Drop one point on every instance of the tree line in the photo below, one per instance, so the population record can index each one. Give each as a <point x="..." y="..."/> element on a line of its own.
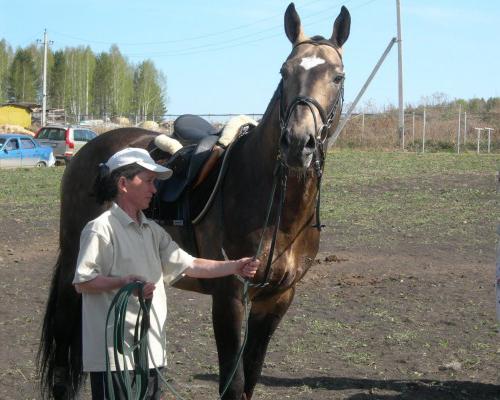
<point x="83" y="83"/>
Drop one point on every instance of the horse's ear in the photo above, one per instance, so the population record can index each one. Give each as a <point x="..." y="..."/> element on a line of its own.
<point x="341" y="28"/>
<point x="293" y="27"/>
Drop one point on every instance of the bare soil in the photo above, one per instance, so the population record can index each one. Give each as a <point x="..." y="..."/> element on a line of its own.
<point x="394" y="321"/>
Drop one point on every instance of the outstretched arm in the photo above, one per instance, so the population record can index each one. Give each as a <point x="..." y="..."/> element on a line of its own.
<point x="204" y="268"/>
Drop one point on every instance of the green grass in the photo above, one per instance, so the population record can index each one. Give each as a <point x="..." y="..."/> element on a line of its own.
<point x="30" y="193"/>
<point x="395" y="197"/>
<point x="378" y="197"/>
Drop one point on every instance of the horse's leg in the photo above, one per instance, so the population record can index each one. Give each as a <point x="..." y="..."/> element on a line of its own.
<point x="227" y="312"/>
<point x="264" y="318"/>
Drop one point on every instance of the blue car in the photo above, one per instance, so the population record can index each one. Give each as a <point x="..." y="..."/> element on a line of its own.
<point x="17" y="150"/>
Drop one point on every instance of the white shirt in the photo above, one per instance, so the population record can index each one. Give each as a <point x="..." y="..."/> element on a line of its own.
<point x="115" y="245"/>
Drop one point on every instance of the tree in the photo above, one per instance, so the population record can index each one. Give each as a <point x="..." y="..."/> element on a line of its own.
<point x="57" y="80"/>
<point x="23" y="82"/>
<point x="78" y="76"/>
<point x="150" y="91"/>
<point x="102" y="85"/>
<point x="122" y="83"/>
<point x="5" y="60"/>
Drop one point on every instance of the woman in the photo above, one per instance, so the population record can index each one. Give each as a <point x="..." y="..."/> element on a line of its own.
<point x="123" y="246"/>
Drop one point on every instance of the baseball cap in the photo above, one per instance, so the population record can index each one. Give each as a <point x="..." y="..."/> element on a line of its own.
<point x="139" y="156"/>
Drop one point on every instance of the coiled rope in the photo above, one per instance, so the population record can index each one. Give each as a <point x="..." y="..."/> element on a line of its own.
<point x="136" y="389"/>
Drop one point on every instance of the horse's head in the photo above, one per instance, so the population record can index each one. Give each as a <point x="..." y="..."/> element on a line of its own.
<point x="311" y="89"/>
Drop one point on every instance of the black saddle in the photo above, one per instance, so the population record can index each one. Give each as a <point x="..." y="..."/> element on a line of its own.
<point x="191" y="129"/>
<point x="186" y="163"/>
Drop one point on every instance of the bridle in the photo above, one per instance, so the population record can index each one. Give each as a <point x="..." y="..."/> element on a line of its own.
<point x="327" y="119"/>
<point x="281" y="170"/>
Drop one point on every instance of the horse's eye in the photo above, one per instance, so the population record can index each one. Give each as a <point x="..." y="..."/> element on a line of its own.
<point x="338" y="79"/>
<point x="284" y="72"/>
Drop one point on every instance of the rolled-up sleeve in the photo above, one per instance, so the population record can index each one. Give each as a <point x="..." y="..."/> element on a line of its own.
<point x="95" y="256"/>
<point x="174" y="260"/>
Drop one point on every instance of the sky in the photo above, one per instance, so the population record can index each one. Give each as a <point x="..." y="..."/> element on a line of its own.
<point x="224" y="57"/>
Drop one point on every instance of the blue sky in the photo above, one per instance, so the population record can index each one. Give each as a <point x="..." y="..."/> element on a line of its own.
<point x="224" y="56"/>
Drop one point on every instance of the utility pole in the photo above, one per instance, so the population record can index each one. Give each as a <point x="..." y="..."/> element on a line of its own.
<point x="401" y="124"/>
<point x="44" y="78"/>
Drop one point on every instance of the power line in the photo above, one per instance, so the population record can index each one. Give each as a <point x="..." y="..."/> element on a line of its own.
<point x="218" y="33"/>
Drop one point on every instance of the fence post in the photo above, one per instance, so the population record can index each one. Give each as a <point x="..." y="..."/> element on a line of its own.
<point x="478" y="137"/>
<point x="413" y="129"/>
<point x="497" y="275"/>
<point x="489" y="137"/>
<point x="362" y="127"/>
<point x="458" y="131"/>
<point x="465" y="129"/>
<point x="423" y="134"/>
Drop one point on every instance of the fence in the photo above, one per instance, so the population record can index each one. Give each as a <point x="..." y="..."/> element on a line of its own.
<point x="433" y="129"/>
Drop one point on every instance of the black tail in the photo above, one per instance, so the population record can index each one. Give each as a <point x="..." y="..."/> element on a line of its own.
<point x="59" y="358"/>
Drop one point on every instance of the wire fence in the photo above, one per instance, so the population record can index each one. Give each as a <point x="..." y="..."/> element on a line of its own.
<point x="445" y="128"/>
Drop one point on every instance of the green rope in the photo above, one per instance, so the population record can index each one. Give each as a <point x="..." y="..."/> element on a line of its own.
<point x="139" y="349"/>
<point x="137" y="390"/>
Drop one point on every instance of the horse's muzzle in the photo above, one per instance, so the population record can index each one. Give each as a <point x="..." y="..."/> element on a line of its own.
<point x="297" y="149"/>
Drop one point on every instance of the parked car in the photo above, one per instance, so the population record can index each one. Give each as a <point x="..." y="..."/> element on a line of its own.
<point x="18" y="150"/>
<point x="65" y="140"/>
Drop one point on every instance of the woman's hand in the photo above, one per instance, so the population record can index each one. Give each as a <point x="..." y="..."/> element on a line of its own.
<point x="148" y="288"/>
<point x="247" y="267"/>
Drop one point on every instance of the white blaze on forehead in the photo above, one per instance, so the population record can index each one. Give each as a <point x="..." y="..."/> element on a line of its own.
<point x="311" y="62"/>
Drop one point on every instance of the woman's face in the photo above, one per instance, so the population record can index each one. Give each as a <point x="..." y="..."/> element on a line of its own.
<point x="139" y="190"/>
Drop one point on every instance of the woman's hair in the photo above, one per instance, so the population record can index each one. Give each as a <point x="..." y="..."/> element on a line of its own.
<point x="106" y="183"/>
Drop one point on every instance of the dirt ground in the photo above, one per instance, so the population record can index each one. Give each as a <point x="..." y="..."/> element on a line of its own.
<point x="390" y="322"/>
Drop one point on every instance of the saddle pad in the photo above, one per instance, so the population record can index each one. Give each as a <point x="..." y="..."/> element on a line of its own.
<point x="189" y="128"/>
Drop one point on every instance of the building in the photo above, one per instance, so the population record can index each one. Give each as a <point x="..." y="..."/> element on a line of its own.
<point x="18" y="113"/>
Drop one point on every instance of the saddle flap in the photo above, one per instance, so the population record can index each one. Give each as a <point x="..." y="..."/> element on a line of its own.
<point x="186" y="164"/>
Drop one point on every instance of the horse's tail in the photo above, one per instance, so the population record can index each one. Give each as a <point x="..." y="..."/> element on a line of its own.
<point x="59" y="354"/>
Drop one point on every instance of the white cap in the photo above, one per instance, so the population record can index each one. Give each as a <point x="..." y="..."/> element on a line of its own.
<point x="139" y="156"/>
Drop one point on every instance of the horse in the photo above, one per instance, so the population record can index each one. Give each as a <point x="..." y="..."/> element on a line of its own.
<point x="279" y="163"/>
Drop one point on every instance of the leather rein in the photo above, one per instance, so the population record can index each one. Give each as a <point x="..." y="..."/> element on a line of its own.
<point x="281" y="170"/>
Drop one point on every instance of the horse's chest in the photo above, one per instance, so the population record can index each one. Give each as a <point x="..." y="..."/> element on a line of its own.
<point x="292" y="262"/>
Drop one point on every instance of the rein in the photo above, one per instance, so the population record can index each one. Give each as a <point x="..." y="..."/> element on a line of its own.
<point x="281" y="170"/>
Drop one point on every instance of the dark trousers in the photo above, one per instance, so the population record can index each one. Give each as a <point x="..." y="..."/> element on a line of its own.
<point x="99" y="386"/>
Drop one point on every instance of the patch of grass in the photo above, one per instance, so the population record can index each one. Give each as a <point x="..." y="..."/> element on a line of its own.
<point x="326" y="327"/>
<point x="358" y="358"/>
<point x="30" y="193"/>
<point x="387" y="198"/>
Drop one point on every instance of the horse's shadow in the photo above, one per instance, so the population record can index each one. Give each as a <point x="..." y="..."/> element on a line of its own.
<point x="386" y="389"/>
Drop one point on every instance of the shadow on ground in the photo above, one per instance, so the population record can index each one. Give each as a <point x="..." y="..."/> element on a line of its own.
<point x="386" y="389"/>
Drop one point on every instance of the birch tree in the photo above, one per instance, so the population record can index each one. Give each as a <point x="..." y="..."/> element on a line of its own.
<point x="5" y="60"/>
<point x="150" y="91"/>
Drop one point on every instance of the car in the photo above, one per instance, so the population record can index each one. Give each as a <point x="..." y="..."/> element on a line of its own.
<point x="19" y="150"/>
<point x="65" y="140"/>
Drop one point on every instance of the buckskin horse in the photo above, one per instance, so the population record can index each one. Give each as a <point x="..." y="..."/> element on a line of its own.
<point x="279" y="162"/>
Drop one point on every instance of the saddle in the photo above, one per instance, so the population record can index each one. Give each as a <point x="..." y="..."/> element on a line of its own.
<point x="200" y="139"/>
<point x="191" y="164"/>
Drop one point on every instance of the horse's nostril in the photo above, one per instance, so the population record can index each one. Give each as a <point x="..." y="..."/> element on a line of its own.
<point x="311" y="143"/>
